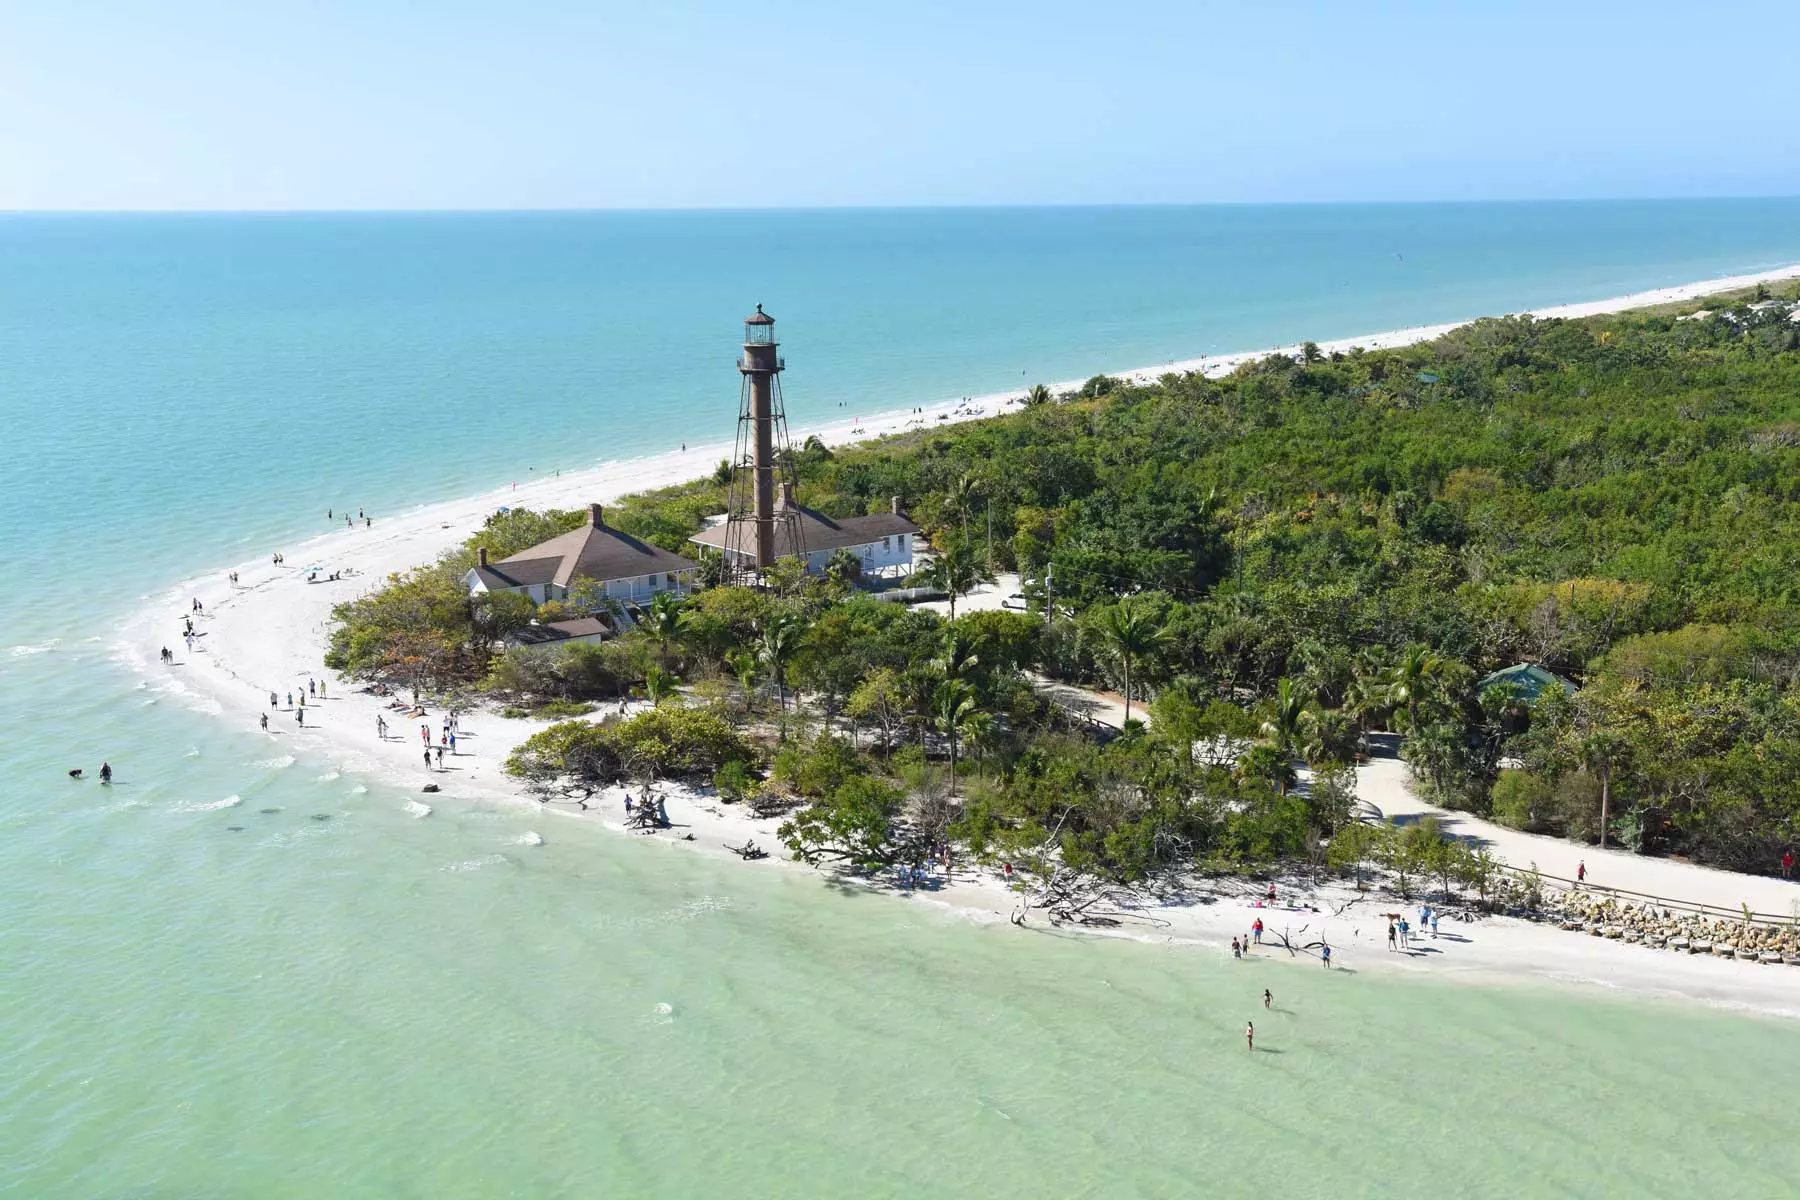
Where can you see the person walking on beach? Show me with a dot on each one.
(1787, 864)
(321, 689)
(425, 737)
(265, 722)
(440, 758)
(272, 699)
(290, 699)
(1581, 871)
(1434, 921)
(453, 743)
(1405, 929)
(1256, 931)
(1393, 934)
(300, 716)
(1325, 954)
(428, 758)
(381, 727)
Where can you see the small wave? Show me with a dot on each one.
(417, 809)
(41, 648)
(697, 907)
(475, 864)
(528, 838)
(275, 764)
(327, 777)
(359, 790)
(193, 752)
(227, 802)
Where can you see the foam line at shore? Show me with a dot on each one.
(266, 634)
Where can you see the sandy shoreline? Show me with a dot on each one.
(267, 634)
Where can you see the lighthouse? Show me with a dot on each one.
(762, 523)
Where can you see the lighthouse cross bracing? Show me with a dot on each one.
(760, 515)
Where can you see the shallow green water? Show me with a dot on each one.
(380, 1005)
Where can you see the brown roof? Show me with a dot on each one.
(759, 317)
(559, 631)
(594, 551)
(817, 532)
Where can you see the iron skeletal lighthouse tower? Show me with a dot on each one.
(762, 522)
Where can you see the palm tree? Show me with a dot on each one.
(1600, 750)
(962, 499)
(748, 669)
(1285, 715)
(952, 707)
(780, 639)
(659, 685)
(1129, 631)
(957, 571)
(981, 733)
(1038, 395)
(1417, 677)
(1268, 764)
(844, 567)
(662, 622)
(957, 658)
(1326, 737)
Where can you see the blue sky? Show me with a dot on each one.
(562, 104)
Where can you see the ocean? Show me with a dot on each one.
(241, 972)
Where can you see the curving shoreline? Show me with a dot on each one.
(267, 633)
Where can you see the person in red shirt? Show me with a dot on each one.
(1787, 864)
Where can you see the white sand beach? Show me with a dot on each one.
(266, 633)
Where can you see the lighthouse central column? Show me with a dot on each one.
(762, 406)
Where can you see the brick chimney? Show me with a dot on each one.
(596, 516)
(481, 555)
(894, 506)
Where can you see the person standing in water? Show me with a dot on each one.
(265, 722)
(105, 772)
(1268, 998)
(1249, 1035)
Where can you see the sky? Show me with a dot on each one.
(451, 104)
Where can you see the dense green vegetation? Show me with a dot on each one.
(1273, 564)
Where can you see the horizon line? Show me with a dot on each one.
(568, 210)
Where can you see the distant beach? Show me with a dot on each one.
(266, 634)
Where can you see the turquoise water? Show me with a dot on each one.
(376, 1005)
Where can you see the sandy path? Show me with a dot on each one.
(266, 633)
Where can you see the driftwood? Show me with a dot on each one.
(648, 815)
(749, 851)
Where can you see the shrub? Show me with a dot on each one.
(1522, 800)
(677, 742)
